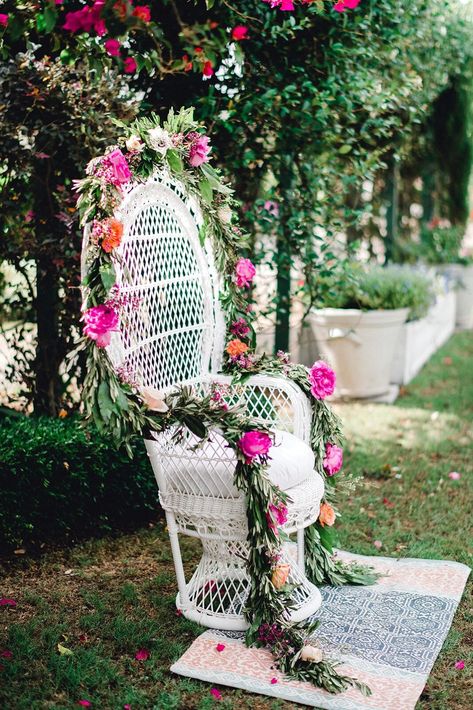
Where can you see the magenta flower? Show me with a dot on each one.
(84, 703)
(274, 681)
(343, 5)
(129, 65)
(322, 380)
(459, 665)
(220, 647)
(199, 149)
(3, 19)
(216, 693)
(112, 47)
(142, 655)
(118, 165)
(333, 460)
(240, 328)
(100, 321)
(255, 443)
(244, 273)
(276, 516)
(239, 32)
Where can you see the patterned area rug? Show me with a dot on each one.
(387, 635)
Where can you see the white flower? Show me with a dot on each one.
(134, 144)
(154, 400)
(311, 654)
(160, 140)
(225, 214)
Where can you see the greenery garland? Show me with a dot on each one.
(115, 402)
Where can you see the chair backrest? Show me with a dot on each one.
(172, 327)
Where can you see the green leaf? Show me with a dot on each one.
(107, 276)
(64, 651)
(206, 190)
(174, 161)
(106, 405)
(50, 18)
(344, 149)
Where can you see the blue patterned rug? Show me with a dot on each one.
(387, 635)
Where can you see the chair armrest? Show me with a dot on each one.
(275, 401)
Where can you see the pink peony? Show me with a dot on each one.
(99, 322)
(129, 65)
(3, 19)
(112, 47)
(333, 460)
(199, 149)
(322, 380)
(244, 272)
(239, 32)
(118, 165)
(255, 443)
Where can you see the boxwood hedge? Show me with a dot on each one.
(59, 483)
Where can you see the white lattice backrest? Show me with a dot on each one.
(175, 335)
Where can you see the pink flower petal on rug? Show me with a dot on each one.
(7, 602)
(274, 681)
(220, 647)
(378, 544)
(454, 475)
(216, 693)
(459, 665)
(142, 655)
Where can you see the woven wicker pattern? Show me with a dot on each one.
(172, 333)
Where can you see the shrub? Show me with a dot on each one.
(61, 483)
(381, 288)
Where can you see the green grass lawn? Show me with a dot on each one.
(108, 598)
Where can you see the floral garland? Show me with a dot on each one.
(117, 404)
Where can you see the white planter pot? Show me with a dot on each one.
(463, 276)
(360, 346)
(420, 339)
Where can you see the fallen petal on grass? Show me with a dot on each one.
(459, 665)
(7, 602)
(216, 693)
(378, 544)
(454, 475)
(6, 653)
(142, 655)
(84, 703)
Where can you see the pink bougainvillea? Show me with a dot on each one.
(239, 32)
(130, 65)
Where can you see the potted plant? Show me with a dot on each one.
(425, 331)
(358, 322)
(441, 246)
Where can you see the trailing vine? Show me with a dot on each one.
(119, 405)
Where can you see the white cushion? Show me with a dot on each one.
(209, 469)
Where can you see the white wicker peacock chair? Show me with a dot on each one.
(176, 337)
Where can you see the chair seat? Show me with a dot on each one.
(209, 469)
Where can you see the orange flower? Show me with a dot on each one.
(113, 235)
(326, 515)
(235, 348)
(280, 575)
